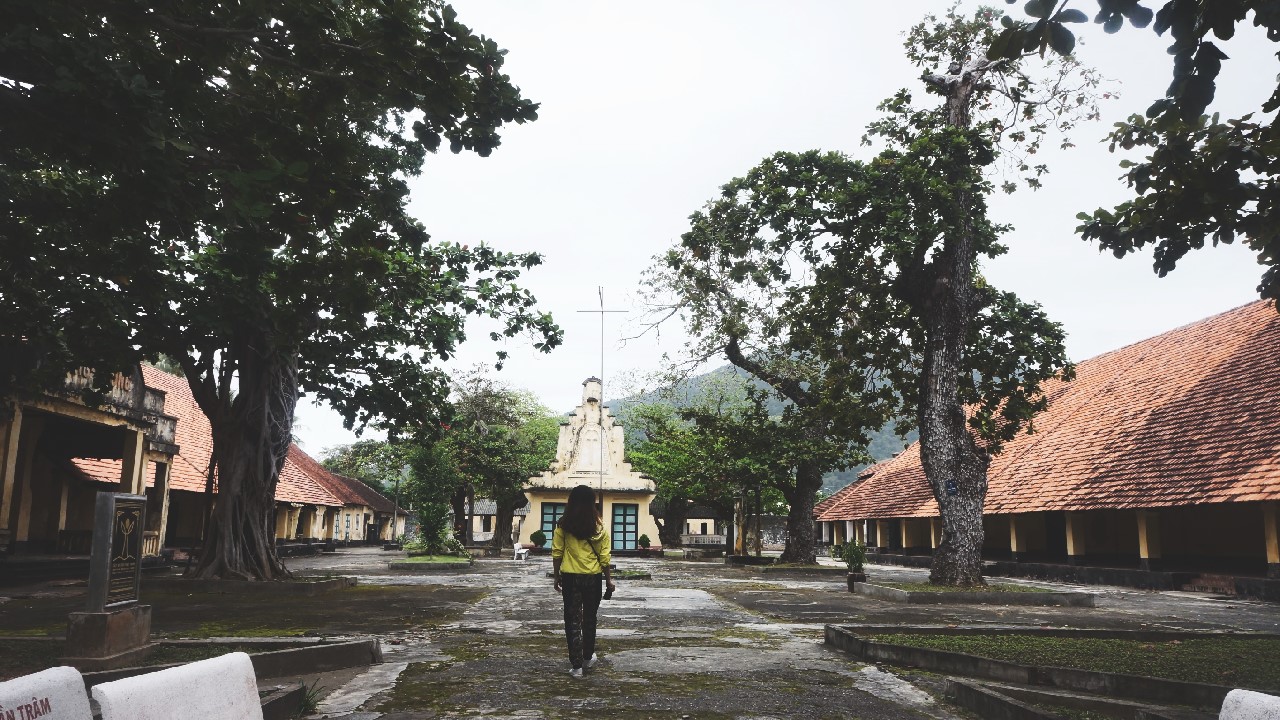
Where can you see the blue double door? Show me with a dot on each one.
(623, 529)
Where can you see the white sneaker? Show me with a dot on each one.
(591, 661)
(576, 672)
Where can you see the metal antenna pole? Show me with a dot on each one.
(602, 311)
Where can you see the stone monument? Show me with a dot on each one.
(115, 629)
(590, 451)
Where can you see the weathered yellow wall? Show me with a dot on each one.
(645, 524)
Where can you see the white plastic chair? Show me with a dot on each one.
(522, 553)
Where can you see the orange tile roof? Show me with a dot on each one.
(1186, 417)
(298, 480)
(349, 490)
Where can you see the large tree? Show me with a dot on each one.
(376, 463)
(718, 448)
(1205, 180)
(499, 438)
(721, 284)
(869, 271)
(225, 183)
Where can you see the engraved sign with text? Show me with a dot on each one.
(116, 560)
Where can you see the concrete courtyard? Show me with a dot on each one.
(698, 640)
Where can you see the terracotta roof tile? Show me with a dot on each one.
(349, 490)
(298, 483)
(1187, 417)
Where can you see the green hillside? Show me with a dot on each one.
(884, 444)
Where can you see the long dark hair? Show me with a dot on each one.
(580, 518)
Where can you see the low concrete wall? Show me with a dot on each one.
(284, 704)
(429, 567)
(1047, 599)
(749, 560)
(991, 705)
(314, 658)
(1065, 632)
(1258, 588)
(301, 586)
(1113, 684)
(806, 570)
(875, 558)
(1087, 575)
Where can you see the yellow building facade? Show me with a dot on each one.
(590, 451)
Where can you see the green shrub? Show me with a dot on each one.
(836, 551)
(643, 542)
(854, 555)
(538, 538)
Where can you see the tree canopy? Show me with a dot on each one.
(854, 289)
(226, 184)
(1206, 180)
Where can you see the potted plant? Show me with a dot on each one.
(643, 543)
(854, 555)
(538, 538)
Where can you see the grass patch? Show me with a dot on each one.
(1238, 662)
(22, 658)
(445, 559)
(166, 654)
(1070, 713)
(235, 629)
(930, 587)
(631, 575)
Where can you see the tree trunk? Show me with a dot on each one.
(502, 530)
(458, 502)
(672, 526)
(251, 438)
(504, 521)
(954, 464)
(800, 524)
(469, 538)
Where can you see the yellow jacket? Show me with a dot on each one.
(576, 555)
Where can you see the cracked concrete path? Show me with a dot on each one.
(669, 647)
(697, 640)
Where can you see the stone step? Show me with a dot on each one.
(1218, 584)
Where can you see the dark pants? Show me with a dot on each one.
(581, 601)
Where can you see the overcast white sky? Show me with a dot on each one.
(647, 108)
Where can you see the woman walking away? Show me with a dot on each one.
(579, 558)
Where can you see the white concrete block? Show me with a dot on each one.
(56, 693)
(221, 688)
(1250, 705)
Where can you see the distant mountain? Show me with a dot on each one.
(885, 443)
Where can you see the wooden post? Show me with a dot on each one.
(64, 497)
(26, 465)
(162, 491)
(882, 534)
(1148, 540)
(9, 466)
(935, 532)
(904, 532)
(1075, 538)
(1271, 526)
(1017, 539)
(133, 464)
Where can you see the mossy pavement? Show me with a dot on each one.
(698, 639)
